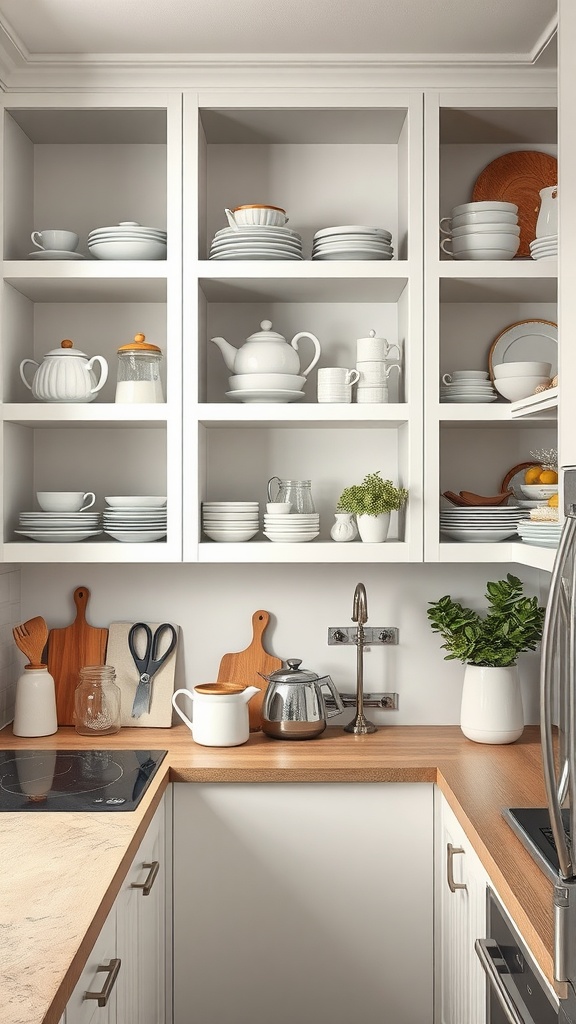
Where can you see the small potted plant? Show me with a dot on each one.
(371, 502)
(489, 646)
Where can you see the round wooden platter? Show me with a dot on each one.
(518, 178)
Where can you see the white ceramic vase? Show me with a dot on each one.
(344, 529)
(491, 710)
(373, 529)
(35, 707)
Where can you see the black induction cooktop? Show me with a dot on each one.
(532, 826)
(75, 780)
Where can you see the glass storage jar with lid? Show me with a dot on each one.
(97, 702)
(139, 372)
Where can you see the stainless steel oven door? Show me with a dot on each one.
(515, 992)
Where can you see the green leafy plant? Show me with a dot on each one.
(372, 497)
(513, 624)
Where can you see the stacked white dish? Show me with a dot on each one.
(352, 242)
(542, 535)
(484, 524)
(230, 522)
(482, 231)
(60, 527)
(545, 248)
(293, 528)
(136, 519)
(127, 241)
(261, 242)
(518, 380)
(467, 386)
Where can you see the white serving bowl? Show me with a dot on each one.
(274, 381)
(230, 536)
(485, 217)
(493, 240)
(539, 492)
(484, 229)
(527, 368)
(515, 388)
(128, 249)
(251, 216)
(136, 501)
(488, 205)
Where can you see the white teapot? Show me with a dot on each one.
(65, 375)
(267, 352)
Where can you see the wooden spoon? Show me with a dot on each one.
(30, 637)
(479, 499)
(455, 499)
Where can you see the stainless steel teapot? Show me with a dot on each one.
(294, 707)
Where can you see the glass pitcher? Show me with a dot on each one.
(297, 492)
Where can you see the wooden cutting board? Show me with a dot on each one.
(71, 648)
(244, 667)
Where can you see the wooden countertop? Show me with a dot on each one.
(61, 872)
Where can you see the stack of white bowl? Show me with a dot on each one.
(288, 527)
(467, 386)
(519, 380)
(373, 373)
(127, 241)
(230, 522)
(481, 231)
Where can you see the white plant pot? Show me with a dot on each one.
(491, 710)
(373, 529)
(344, 529)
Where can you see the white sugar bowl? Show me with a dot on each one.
(65, 375)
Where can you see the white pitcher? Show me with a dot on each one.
(220, 713)
(547, 223)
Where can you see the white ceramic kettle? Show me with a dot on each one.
(65, 375)
(547, 223)
(266, 351)
(220, 713)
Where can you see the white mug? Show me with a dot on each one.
(65, 501)
(341, 393)
(54, 238)
(330, 376)
(372, 395)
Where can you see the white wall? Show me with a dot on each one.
(10, 658)
(214, 604)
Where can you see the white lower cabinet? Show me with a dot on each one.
(303, 902)
(459, 919)
(127, 966)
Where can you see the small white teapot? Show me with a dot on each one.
(65, 375)
(266, 351)
(220, 713)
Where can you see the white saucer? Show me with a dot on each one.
(55, 254)
(58, 536)
(353, 254)
(263, 396)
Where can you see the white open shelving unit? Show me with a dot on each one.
(397, 158)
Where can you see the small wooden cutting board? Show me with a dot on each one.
(71, 648)
(244, 667)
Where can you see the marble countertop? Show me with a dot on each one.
(61, 872)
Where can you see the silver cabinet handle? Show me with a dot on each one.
(451, 852)
(147, 884)
(111, 970)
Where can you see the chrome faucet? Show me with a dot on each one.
(360, 726)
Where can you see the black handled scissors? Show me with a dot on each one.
(149, 664)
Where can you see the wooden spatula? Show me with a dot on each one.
(244, 667)
(31, 637)
(70, 649)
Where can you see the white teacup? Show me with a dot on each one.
(460, 375)
(373, 348)
(337, 375)
(279, 508)
(53, 238)
(65, 501)
(335, 394)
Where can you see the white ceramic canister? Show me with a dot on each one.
(220, 713)
(35, 708)
(344, 529)
(65, 375)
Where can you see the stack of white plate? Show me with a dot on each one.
(136, 519)
(256, 243)
(230, 521)
(481, 523)
(60, 527)
(468, 390)
(127, 241)
(295, 528)
(545, 248)
(542, 535)
(353, 242)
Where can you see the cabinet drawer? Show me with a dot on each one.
(82, 1010)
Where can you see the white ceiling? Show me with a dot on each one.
(508, 31)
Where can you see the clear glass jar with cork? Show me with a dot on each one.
(138, 378)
